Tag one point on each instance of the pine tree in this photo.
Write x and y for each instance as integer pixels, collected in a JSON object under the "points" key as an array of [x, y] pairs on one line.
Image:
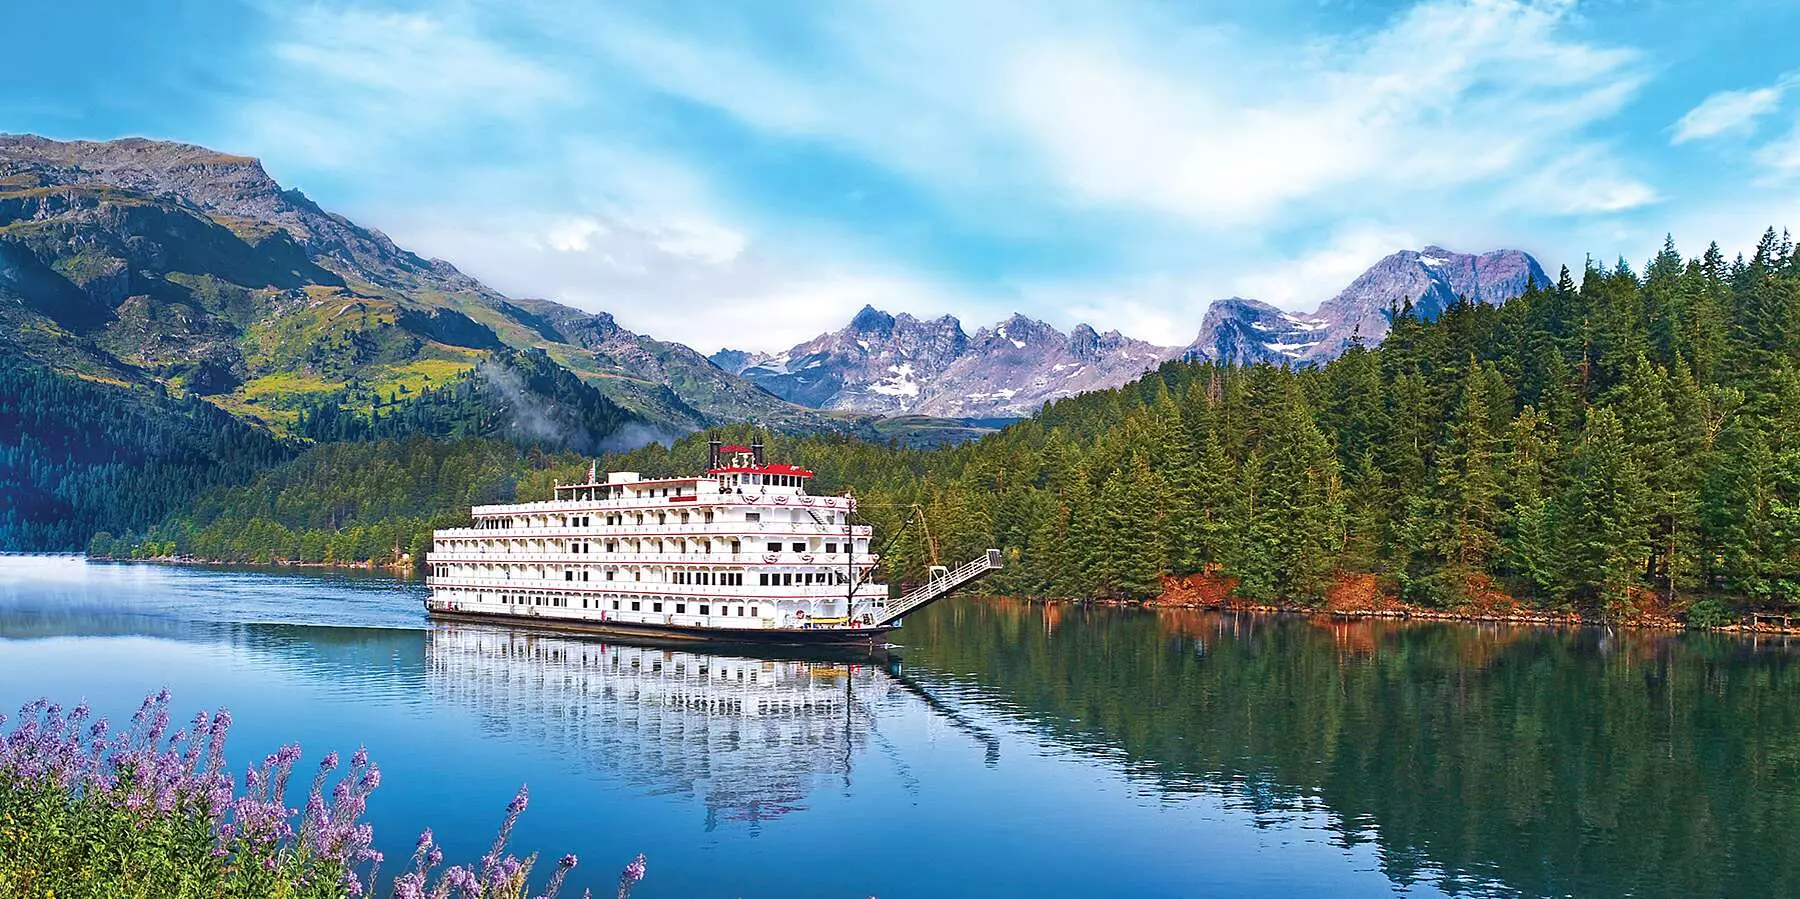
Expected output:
{"points": [[1608, 509], [1129, 535], [1296, 513], [1456, 523]]}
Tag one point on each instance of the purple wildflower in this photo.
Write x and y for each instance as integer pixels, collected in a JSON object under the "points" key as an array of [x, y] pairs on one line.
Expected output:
{"points": [[629, 877]]}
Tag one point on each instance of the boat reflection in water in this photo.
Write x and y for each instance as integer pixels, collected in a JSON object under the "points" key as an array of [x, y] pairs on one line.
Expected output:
{"points": [[751, 736]]}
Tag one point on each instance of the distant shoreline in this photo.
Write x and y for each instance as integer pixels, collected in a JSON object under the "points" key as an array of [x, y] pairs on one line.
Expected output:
{"points": [[400, 569], [1179, 595]]}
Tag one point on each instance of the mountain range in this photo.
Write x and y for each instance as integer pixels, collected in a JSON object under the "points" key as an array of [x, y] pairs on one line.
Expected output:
{"points": [[897, 364], [893, 364], [165, 265]]}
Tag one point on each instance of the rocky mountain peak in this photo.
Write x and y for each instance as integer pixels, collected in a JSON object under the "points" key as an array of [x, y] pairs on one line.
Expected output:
{"points": [[235, 191], [1247, 331], [900, 364], [872, 321]]}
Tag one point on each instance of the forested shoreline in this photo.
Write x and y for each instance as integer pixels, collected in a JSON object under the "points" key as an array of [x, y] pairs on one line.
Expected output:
{"points": [[1608, 445]]}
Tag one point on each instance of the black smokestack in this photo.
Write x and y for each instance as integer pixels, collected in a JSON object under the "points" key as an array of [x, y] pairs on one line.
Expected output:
{"points": [[712, 453], [756, 451]]}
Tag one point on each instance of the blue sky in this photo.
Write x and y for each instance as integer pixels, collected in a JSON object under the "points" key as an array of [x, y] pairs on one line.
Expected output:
{"points": [[750, 174]]}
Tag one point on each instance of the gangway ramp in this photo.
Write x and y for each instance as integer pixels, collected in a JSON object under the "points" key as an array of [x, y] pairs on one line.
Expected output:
{"points": [[941, 585]]}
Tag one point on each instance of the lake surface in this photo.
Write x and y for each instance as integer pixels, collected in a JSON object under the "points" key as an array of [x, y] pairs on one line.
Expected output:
{"points": [[1007, 749]]}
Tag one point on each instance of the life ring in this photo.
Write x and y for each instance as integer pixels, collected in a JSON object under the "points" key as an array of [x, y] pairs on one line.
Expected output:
{"points": [[770, 557], [799, 614]]}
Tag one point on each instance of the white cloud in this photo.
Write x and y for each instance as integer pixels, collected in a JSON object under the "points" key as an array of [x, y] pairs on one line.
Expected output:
{"points": [[1781, 156], [1115, 106], [1448, 95], [533, 144], [703, 286], [1585, 180], [347, 87], [1301, 283], [1727, 112]]}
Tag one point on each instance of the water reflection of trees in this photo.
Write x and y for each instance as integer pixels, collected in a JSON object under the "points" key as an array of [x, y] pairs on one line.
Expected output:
{"points": [[752, 737], [1579, 762]]}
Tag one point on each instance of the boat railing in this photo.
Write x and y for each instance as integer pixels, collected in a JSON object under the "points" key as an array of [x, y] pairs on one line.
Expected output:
{"points": [[861, 560], [670, 529], [942, 585], [658, 590]]}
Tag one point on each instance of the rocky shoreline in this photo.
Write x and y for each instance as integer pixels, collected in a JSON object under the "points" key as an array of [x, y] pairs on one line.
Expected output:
{"points": [[1358, 597]]}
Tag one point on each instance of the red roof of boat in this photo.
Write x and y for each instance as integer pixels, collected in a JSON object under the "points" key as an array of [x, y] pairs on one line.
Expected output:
{"points": [[792, 470]]}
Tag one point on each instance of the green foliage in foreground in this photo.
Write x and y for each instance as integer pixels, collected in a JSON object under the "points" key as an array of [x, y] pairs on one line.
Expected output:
{"points": [[1593, 445], [89, 813]]}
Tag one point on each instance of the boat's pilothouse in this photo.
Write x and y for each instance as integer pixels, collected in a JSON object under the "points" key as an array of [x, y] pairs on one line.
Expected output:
{"points": [[742, 552]]}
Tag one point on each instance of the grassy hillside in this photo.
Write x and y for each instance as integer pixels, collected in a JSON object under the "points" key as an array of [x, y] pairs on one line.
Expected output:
{"points": [[168, 265]]}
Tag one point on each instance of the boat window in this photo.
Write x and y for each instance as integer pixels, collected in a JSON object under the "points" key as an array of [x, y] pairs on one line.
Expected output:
{"points": [[635, 605], [752, 516], [705, 610], [755, 612], [831, 547], [656, 607], [799, 547], [615, 604], [681, 607]]}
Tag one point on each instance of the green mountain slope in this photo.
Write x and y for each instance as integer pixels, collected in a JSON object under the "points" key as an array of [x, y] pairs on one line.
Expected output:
{"points": [[153, 263], [78, 456]]}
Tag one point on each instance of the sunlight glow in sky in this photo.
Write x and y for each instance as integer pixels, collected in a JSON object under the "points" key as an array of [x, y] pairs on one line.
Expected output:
{"points": [[750, 174]]}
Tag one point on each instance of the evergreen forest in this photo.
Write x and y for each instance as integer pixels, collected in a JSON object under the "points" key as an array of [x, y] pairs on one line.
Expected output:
{"points": [[1614, 441]]}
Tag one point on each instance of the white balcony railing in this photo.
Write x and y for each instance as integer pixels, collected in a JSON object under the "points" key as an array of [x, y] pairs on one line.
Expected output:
{"points": [[746, 529], [498, 556], [660, 591]]}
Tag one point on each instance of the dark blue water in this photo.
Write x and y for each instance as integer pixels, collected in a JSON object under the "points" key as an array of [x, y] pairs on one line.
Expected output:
{"points": [[1009, 750]]}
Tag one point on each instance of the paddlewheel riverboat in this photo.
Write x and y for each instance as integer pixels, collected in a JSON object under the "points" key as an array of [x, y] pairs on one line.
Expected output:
{"points": [[743, 553]]}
